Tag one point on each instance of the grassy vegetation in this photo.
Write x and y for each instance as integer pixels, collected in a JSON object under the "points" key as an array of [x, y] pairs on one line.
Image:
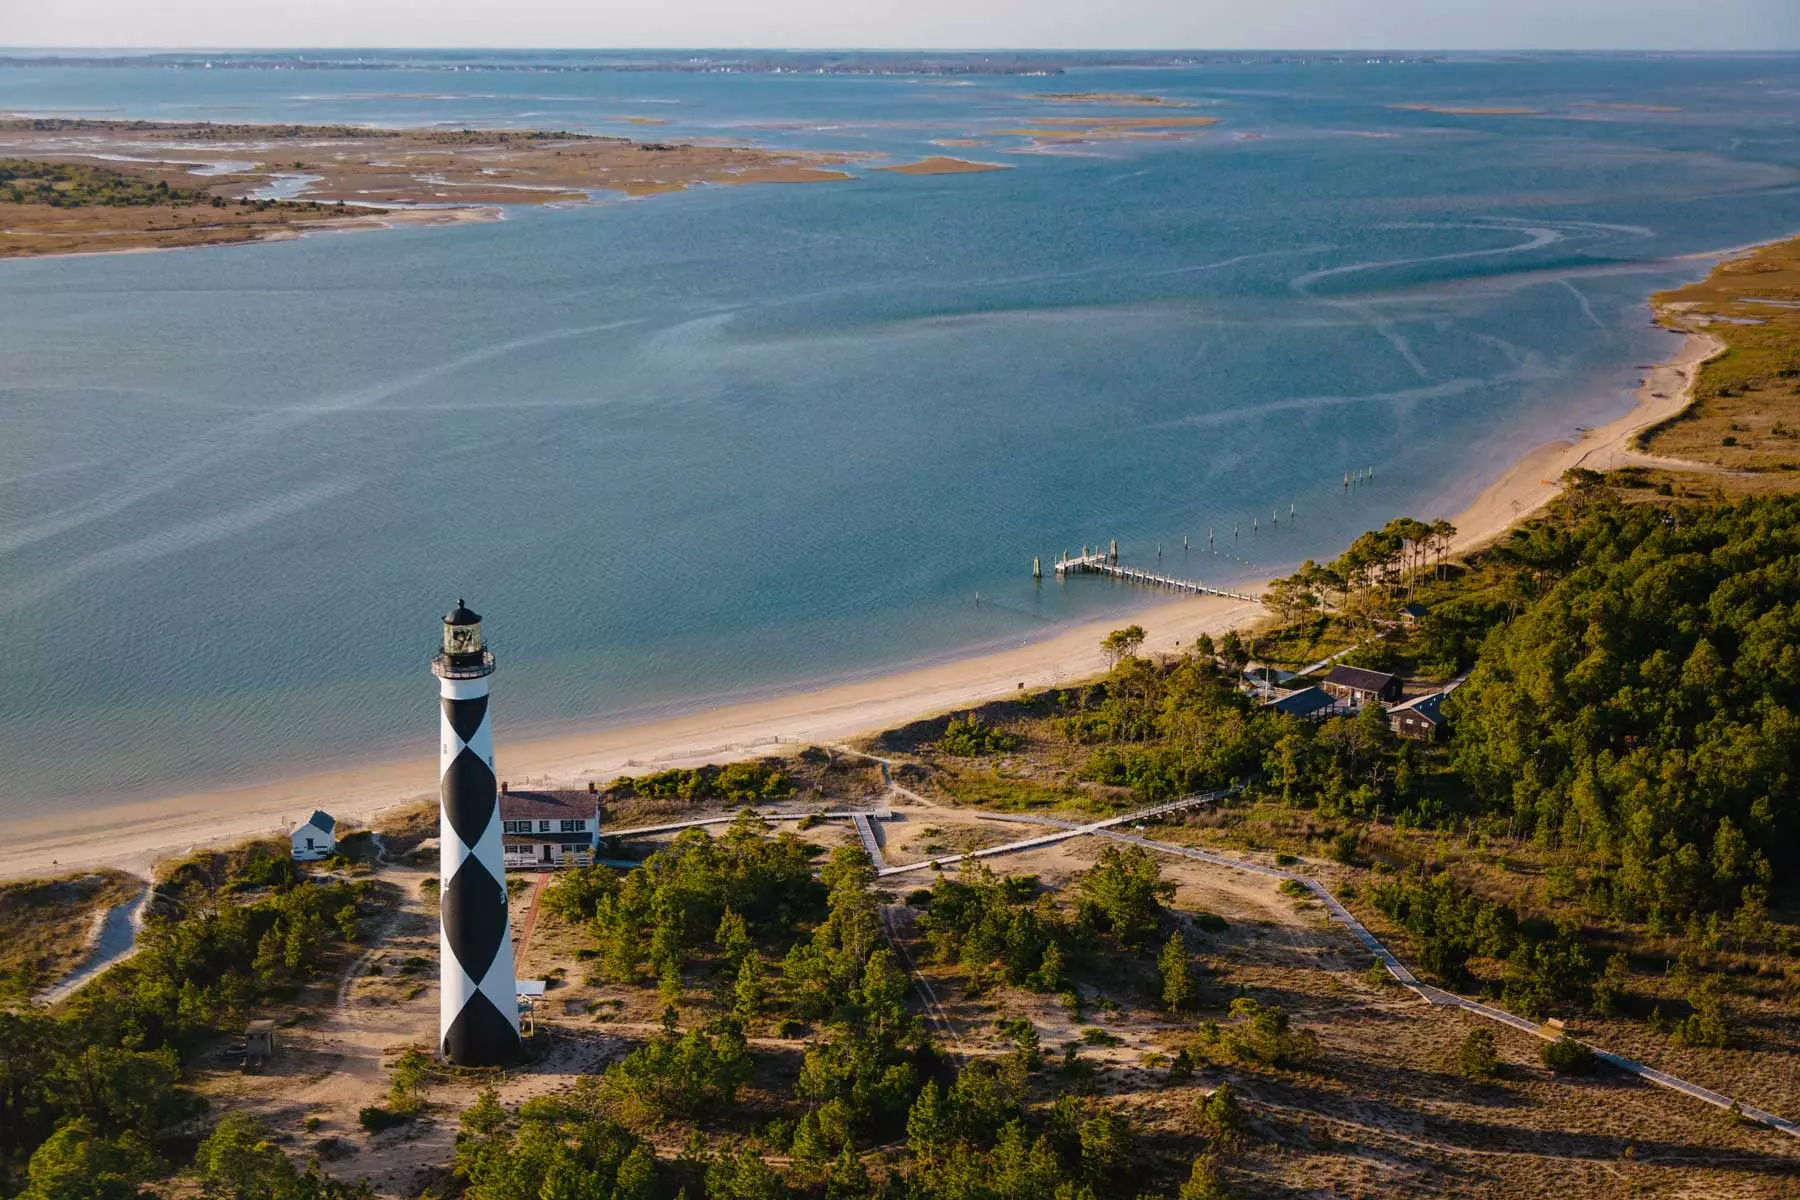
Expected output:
{"points": [[44, 926], [1746, 411], [78, 185], [71, 185]]}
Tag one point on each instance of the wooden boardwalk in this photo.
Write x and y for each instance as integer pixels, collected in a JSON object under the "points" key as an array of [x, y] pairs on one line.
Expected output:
{"points": [[1103, 564]]}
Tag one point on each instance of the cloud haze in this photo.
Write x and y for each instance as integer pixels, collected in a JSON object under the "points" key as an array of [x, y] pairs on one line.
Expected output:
{"points": [[1061, 24]]}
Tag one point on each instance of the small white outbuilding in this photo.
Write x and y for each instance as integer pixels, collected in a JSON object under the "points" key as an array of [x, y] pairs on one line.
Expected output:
{"points": [[317, 838]]}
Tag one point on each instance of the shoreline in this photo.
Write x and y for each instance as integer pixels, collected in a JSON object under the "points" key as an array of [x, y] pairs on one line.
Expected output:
{"points": [[135, 835]]}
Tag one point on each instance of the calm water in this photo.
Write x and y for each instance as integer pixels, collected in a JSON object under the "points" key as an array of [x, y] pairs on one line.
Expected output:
{"points": [[745, 439]]}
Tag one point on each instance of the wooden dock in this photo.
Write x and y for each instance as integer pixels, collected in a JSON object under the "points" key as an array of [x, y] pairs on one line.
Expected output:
{"points": [[1105, 564]]}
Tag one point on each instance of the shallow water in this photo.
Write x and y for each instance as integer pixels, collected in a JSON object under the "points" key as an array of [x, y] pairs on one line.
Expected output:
{"points": [[745, 439]]}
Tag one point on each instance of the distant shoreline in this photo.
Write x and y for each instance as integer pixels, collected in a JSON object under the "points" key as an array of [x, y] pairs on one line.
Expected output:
{"points": [[134, 835]]}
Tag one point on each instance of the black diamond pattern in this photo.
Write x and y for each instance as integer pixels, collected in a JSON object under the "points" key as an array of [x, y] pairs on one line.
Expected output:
{"points": [[474, 910], [465, 716], [480, 1036], [468, 794]]}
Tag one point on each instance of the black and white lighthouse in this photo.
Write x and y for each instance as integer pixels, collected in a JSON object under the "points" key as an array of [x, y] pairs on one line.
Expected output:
{"points": [[478, 1013]]}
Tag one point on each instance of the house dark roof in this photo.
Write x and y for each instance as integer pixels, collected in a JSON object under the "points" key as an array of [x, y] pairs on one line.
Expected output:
{"points": [[1427, 706], [322, 820], [1360, 678], [567, 803], [1414, 610], [1303, 703]]}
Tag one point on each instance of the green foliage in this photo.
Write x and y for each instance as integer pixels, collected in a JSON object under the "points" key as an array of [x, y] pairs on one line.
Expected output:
{"points": [[998, 928], [1178, 987], [238, 1161], [1203, 1182], [1122, 643], [1709, 1024], [1544, 966], [969, 738], [1260, 1036], [1476, 1058], [974, 1142], [1123, 894], [743, 1176], [1168, 729], [1645, 709], [72, 185], [675, 902], [407, 1079], [112, 1058], [735, 783], [1566, 1056], [377, 1117], [76, 1163], [560, 1150], [1220, 1119], [575, 894], [688, 1075]]}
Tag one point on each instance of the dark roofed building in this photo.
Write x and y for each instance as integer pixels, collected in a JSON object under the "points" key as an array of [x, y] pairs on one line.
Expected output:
{"points": [[1419, 718], [1309, 703], [549, 828], [1410, 614], [1359, 685]]}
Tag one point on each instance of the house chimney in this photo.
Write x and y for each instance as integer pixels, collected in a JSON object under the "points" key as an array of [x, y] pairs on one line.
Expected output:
{"points": [[592, 787], [503, 787]]}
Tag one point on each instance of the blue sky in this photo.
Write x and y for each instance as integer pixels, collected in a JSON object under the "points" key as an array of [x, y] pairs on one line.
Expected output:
{"points": [[1062, 24]]}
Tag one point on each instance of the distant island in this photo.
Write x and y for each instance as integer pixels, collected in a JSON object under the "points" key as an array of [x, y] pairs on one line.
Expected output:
{"points": [[705, 62], [85, 186]]}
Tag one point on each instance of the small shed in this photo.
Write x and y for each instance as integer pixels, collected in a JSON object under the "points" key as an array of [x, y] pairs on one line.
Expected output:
{"points": [[259, 1041], [530, 994], [315, 839], [1411, 614], [1359, 685]]}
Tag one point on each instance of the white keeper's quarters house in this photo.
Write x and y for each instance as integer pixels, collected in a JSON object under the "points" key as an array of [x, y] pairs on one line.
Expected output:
{"points": [[317, 838], [546, 829]]}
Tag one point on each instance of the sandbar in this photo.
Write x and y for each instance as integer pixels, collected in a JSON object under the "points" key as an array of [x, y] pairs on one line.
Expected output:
{"points": [[1122, 98], [1471, 110], [940, 165]]}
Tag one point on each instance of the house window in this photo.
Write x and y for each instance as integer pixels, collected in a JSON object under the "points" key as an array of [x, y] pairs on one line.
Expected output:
{"points": [[575, 826], [309, 843], [515, 826], [543, 827]]}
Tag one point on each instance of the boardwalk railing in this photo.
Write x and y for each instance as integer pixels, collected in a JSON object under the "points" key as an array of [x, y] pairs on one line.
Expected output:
{"points": [[1103, 564]]}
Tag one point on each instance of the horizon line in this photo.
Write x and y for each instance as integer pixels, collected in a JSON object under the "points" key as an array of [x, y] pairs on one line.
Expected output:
{"points": [[243, 48]]}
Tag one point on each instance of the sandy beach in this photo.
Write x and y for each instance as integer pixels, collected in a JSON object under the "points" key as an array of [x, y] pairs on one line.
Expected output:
{"points": [[133, 836]]}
